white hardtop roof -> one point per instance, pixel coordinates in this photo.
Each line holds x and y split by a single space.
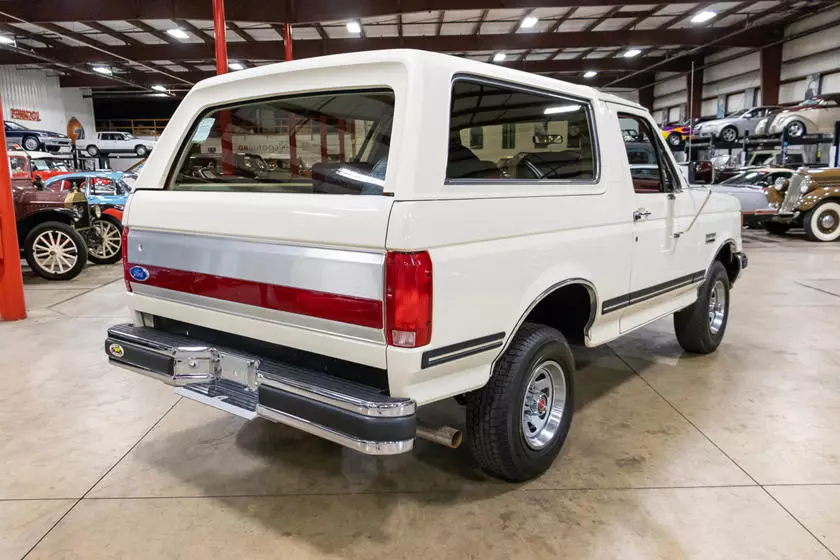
416 58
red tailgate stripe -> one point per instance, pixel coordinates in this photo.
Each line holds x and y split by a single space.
344 309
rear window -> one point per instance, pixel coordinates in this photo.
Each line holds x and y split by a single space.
324 143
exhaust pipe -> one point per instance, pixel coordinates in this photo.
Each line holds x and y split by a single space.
445 435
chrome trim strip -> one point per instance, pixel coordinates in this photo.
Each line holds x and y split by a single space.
349 273
362 446
253 312
347 402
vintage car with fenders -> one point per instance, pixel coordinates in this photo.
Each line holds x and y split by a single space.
810 200
411 269
54 228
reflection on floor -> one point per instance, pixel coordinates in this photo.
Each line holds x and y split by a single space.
734 455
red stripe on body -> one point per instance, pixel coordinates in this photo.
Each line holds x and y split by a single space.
344 309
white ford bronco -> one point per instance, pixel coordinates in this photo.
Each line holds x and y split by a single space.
419 227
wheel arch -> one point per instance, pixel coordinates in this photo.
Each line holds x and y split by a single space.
549 298
725 254
25 225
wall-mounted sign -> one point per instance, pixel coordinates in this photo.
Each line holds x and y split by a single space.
75 130
25 115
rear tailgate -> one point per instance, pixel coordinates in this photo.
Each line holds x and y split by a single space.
300 270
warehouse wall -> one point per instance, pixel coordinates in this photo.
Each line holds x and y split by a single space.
732 77
35 100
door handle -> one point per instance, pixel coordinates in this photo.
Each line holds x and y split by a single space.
640 214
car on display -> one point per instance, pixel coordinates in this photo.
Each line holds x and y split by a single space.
810 199
53 228
109 191
45 165
750 187
734 126
677 134
34 140
413 272
118 142
814 115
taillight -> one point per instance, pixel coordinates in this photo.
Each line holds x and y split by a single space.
124 248
408 299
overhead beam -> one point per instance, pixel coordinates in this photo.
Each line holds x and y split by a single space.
95 81
455 43
290 11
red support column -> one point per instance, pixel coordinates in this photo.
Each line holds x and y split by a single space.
12 303
287 40
323 138
341 155
222 68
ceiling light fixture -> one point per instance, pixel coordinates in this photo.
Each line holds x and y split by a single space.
590 74
178 33
499 57
630 53
158 87
235 65
103 70
561 109
7 40
704 16
529 22
354 27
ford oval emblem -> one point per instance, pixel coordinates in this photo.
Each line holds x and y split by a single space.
116 350
139 273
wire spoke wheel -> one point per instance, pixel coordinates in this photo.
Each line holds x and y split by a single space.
55 251
544 404
109 239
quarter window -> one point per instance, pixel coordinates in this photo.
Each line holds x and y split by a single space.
525 135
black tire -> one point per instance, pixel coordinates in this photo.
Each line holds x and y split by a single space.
693 324
775 228
675 140
30 143
92 150
495 412
822 222
141 150
112 254
726 134
796 129
56 228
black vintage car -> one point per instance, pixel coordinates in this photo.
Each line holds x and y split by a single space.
35 140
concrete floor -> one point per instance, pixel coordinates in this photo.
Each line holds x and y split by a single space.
734 455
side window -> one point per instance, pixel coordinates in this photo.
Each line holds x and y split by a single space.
649 168
524 135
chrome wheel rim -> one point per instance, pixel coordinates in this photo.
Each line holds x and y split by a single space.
717 307
110 239
795 129
728 135
55 251
828 221
31 144
544 404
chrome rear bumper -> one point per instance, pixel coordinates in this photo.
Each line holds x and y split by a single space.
351 414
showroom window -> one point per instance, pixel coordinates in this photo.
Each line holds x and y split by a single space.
527 135
325 143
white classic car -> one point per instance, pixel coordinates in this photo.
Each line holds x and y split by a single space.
396 265
118 142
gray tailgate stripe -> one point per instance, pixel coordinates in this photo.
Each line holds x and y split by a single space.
350 273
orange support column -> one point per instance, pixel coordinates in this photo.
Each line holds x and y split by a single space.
12 304
222 68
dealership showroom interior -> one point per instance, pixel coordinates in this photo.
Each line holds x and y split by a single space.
420 279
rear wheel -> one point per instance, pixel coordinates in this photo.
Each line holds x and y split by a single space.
92 150
31 144
518 422
729 134
700 327
776 228
675 140
795 129
55 251
822 223
108 248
